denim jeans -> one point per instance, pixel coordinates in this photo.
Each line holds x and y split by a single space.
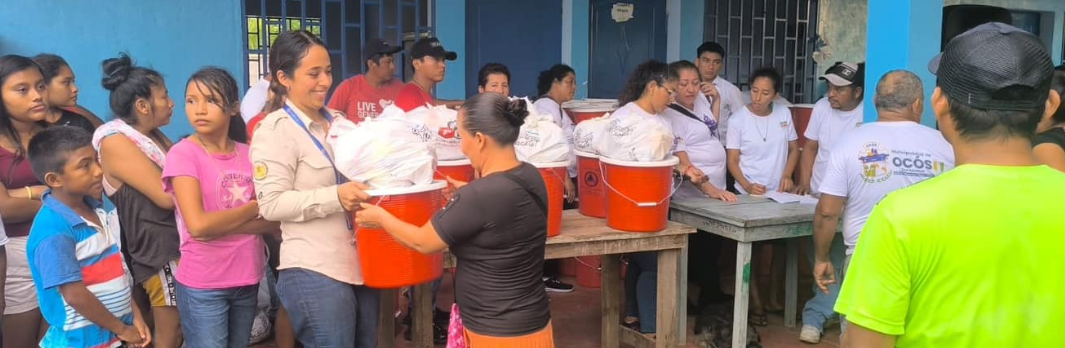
641 289
434 287
326 313
820 308
216 318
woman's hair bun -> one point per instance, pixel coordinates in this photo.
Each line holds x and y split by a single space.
116 71
516 111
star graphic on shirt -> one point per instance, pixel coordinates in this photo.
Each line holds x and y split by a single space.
239 193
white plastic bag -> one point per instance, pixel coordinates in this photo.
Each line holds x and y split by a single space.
636 138
589 133
382 152
541 140
441 125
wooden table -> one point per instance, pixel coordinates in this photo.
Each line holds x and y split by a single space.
587 236
751 219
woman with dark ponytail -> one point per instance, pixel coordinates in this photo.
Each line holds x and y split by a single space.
320 279
497 228
132 151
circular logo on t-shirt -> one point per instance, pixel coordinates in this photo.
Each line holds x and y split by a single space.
234 190
874 162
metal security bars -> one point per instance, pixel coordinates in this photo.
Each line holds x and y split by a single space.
344 26
756 33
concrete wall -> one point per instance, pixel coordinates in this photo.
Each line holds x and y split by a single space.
174 37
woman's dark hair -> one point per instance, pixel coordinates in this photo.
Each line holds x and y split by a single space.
646 72
127 83
9 65
770 73
223 86
285 55
50 65
1057 83
495 115
489 69
549 76
676 67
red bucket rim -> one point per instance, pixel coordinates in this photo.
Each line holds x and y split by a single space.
435 185
453 163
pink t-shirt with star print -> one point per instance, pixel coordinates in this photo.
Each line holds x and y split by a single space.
225 183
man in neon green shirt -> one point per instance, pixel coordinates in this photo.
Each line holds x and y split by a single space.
973 257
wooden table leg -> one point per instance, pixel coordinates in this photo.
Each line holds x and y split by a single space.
743 292
423 315
386 322
682 297
791 282
610 290
666 333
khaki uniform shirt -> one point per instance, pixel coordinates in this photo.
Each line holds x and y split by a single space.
296 185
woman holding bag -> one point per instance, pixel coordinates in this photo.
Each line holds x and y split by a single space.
496 227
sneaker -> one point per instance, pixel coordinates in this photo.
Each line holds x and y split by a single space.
553 284
810 334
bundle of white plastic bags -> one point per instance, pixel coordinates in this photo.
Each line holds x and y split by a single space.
440 128
625 137
384 152
540 140
588 134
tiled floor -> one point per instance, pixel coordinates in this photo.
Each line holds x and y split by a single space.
577 320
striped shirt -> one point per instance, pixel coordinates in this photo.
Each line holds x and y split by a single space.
65 248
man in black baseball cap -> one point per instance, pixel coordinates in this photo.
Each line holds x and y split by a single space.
972 257
366 96
429 59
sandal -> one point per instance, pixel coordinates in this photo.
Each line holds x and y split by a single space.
634 325
757 319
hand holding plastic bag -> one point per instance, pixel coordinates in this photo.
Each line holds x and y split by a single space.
382 152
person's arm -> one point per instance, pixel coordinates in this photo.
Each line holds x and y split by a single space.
16 206
122 160
685 167
1051 155
857 336
91 117
786 184
737 173
826 222
205 225
422 239
806 166
85 303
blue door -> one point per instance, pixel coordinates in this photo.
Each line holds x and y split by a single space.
618 46
523 35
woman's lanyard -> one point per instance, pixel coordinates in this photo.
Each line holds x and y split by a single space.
340 179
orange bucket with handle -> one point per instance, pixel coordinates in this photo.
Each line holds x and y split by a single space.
590 185
460 170
584 113
637 194
554 173
391 264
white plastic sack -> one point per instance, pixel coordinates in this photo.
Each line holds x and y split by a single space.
636 138
441 126
541 140
589 133
381 152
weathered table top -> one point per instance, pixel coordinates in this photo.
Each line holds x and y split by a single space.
750 219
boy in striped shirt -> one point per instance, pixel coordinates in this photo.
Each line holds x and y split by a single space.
73 251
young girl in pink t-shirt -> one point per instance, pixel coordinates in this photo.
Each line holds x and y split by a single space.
210 176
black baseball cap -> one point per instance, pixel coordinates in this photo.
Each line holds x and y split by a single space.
980 63
843 74
378 46
430 46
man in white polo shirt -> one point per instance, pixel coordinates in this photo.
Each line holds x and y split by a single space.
872 161
838 113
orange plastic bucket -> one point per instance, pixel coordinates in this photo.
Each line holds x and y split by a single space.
554 173
388 263
568 266
589 271
584 113
460 170
637 195
590 185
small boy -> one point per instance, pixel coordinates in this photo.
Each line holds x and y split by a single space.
82 284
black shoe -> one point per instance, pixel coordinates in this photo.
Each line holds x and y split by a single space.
439 334
553 284
440 317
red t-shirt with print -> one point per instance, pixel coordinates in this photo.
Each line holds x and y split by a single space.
360 100
412 96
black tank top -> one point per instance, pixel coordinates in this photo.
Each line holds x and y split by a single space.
149 233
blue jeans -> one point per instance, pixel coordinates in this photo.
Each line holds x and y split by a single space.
216 318
326 313
820 308
641 289
434 287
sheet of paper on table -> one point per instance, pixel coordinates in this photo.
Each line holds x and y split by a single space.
784 197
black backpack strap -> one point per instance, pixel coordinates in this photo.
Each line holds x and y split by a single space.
536 198
685 112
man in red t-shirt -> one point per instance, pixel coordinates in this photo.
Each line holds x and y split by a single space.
366 96
429 59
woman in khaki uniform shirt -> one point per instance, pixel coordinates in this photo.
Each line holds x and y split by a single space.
320 281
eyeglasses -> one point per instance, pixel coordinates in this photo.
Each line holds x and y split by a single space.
672 91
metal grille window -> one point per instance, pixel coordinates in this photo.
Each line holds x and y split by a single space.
344 26
757 33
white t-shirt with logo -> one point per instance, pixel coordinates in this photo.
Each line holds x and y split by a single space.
878 158
731 101
763 144
826 127
698 138
548 106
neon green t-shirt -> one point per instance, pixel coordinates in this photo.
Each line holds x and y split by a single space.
972 258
